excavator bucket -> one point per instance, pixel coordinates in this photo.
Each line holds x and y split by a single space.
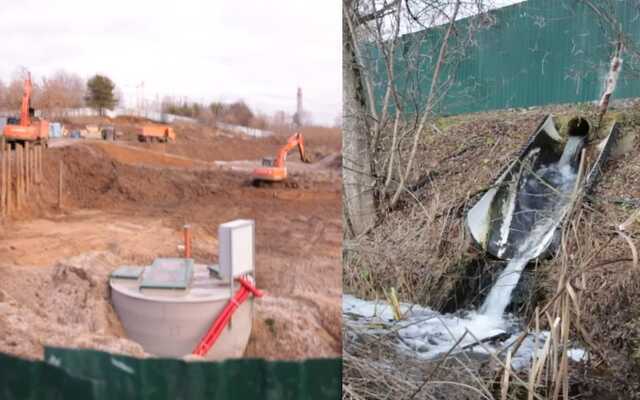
303 156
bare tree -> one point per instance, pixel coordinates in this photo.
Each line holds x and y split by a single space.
359 208
61 90
13 94
3 94
387 111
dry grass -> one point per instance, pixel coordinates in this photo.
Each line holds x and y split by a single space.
373 369
403 258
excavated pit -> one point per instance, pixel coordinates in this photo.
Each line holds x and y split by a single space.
123 205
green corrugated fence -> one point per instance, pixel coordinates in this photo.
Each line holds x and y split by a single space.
94 375
538 52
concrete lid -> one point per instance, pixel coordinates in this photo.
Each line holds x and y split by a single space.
203 286
168 273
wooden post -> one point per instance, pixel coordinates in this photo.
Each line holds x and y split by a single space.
29 170
27 167
23 183
39 164
60 185
9 180
3 185
23 180
32 169
18 176
33 166
16 172
25 172
36 175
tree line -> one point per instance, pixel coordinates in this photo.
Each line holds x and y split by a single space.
237 113
59 91
64 90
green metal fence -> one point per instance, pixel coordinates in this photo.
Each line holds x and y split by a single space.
537 52
93 375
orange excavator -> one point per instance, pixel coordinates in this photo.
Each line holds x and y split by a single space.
28 129
274 169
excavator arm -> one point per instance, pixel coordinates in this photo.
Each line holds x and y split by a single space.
274 170
25 117
295 140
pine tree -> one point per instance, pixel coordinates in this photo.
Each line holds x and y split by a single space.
100 93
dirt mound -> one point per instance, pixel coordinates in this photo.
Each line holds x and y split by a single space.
131 119
64 305
332 161
135 156
282 321
218 148
105 175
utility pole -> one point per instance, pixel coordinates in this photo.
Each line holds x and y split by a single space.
140 96
297 117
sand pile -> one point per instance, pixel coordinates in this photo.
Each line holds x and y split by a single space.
65 305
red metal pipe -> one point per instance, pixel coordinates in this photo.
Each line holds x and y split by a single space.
218 325
187 241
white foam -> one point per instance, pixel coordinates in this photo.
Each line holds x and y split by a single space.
373 309
428 334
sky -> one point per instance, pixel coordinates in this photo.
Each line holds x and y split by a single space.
258 51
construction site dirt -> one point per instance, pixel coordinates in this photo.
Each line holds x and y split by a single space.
125 203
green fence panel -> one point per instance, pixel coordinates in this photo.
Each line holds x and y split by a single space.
538 52
95 375
34 380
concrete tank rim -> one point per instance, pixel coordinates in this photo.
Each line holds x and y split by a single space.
173 300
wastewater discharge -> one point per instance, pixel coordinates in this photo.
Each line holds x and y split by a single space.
544 197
